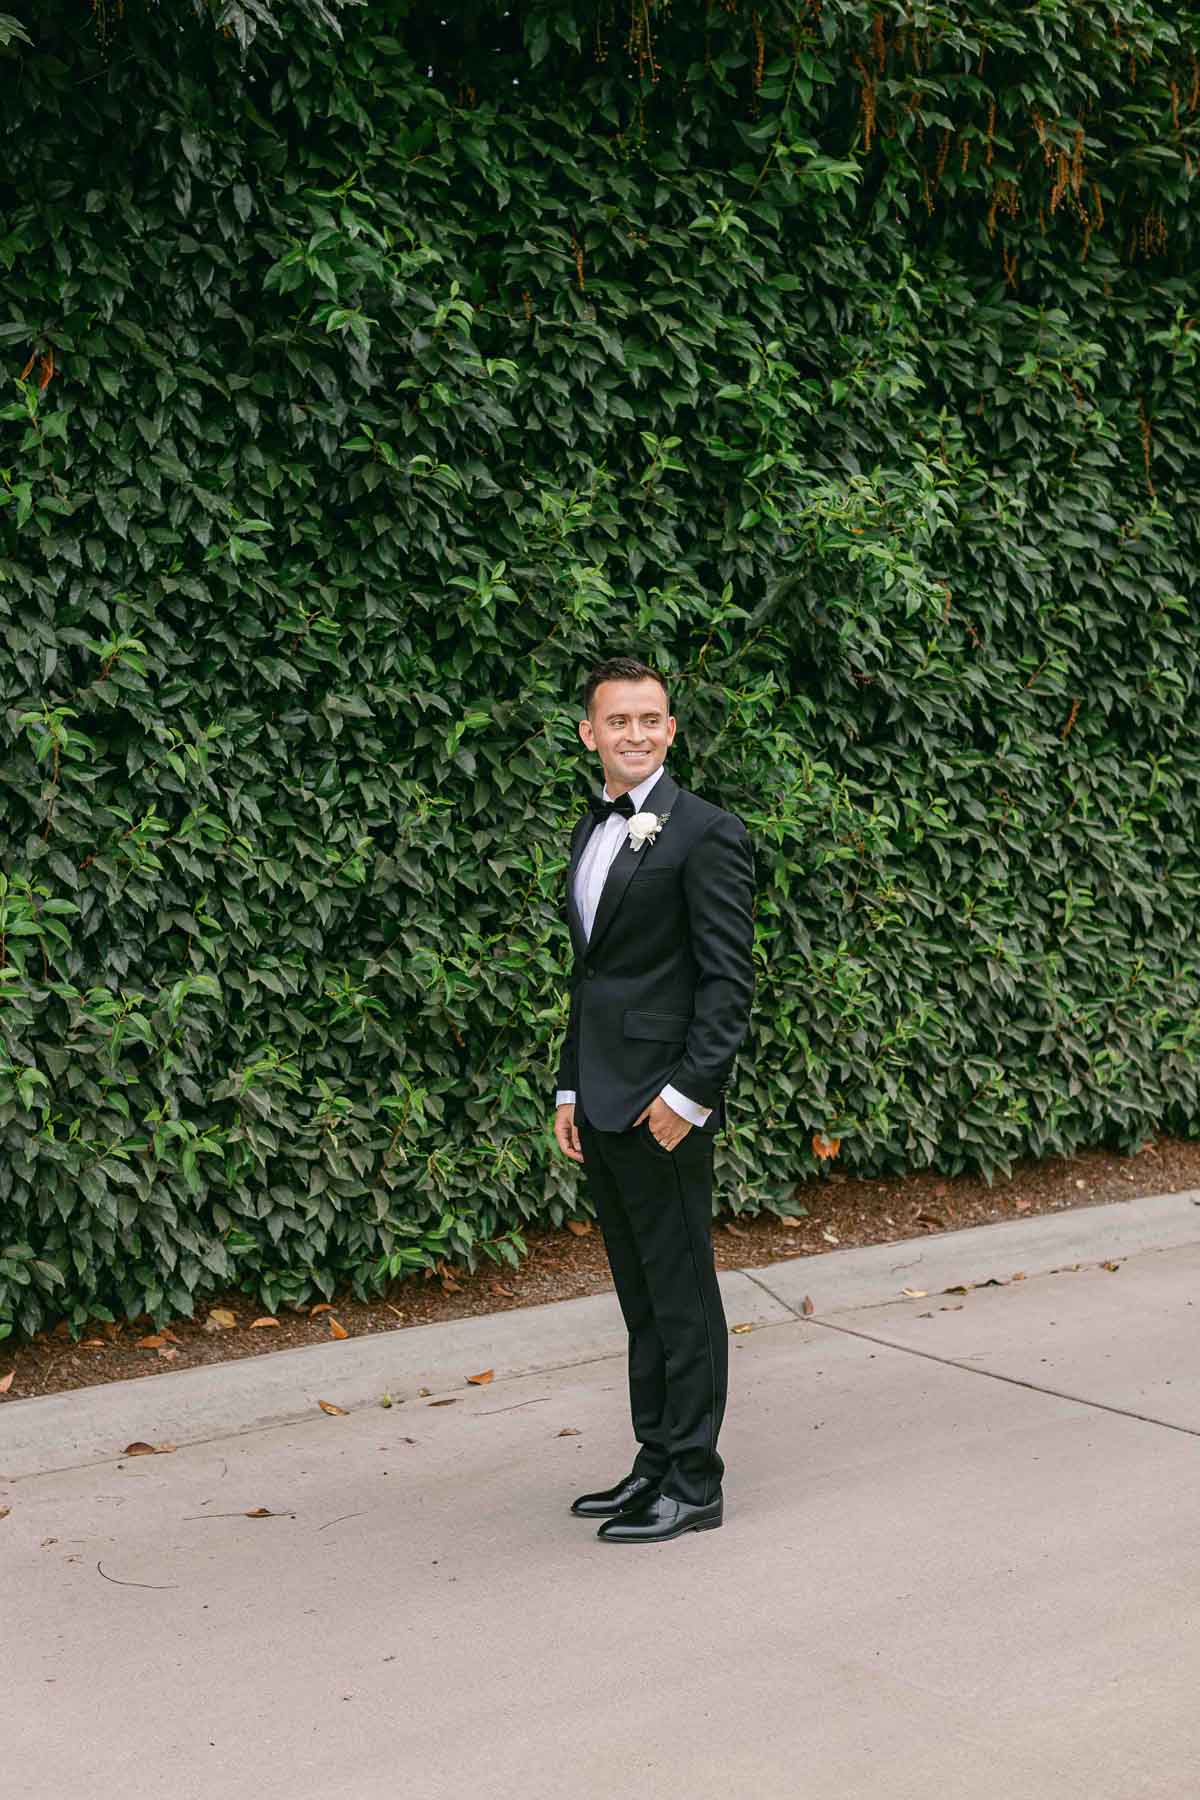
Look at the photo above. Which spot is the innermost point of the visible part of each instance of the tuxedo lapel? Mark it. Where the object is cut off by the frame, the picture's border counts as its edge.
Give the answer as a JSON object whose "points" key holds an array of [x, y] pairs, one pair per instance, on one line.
{"points": [[583, 832], [625, 863]]}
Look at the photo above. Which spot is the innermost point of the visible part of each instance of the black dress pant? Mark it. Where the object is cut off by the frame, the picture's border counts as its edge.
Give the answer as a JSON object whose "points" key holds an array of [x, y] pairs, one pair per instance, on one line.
{"points": [[655, 1211]]}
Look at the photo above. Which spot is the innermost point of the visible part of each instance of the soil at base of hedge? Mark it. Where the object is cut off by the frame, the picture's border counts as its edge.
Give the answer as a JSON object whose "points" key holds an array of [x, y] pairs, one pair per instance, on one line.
{"points": [[842, 1212]]}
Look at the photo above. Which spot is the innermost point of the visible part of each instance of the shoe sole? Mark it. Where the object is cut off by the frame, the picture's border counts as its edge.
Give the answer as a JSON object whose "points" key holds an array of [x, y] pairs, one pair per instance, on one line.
{"points": [[703, 1525]]}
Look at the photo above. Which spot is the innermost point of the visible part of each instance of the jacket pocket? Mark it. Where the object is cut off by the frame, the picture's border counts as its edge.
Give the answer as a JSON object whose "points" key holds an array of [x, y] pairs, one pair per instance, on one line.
{"points": [[663, 1028]]}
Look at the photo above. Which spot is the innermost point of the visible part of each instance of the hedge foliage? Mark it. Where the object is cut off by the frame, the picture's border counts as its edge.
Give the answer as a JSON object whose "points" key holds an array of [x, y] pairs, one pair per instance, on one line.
{"points": [[367, 375]]}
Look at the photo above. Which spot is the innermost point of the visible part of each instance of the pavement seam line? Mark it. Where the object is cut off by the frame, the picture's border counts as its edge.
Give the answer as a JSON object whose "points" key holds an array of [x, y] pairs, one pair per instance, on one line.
{"points": [[1096, 1262], [304, 1415], [301, 1415], [950, 1362]]}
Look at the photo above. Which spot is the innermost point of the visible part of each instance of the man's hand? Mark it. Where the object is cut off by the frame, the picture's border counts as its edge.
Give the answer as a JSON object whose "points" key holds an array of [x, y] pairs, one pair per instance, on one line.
{"points": [[567, 1133], [666, 1126]]}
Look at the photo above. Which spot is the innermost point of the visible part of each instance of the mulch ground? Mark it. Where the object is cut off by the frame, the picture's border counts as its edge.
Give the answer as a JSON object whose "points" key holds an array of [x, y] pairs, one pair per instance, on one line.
{"points": [[842, 1212]]}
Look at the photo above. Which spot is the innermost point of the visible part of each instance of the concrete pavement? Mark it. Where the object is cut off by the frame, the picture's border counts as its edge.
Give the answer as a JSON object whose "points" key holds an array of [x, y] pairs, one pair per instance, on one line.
{"points": [[959, 1557]]}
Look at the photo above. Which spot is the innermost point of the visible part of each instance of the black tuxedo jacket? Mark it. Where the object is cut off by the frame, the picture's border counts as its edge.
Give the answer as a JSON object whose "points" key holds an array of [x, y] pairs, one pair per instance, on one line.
{"points": [[661, 991]]}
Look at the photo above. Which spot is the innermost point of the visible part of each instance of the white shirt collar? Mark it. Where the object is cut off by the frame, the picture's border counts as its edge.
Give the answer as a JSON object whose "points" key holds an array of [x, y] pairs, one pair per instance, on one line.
{"points": [[640, 792]]}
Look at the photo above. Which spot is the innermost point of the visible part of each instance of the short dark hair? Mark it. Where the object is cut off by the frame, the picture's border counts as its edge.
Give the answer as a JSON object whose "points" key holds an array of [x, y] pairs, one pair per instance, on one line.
{"points": [[622, 668]]}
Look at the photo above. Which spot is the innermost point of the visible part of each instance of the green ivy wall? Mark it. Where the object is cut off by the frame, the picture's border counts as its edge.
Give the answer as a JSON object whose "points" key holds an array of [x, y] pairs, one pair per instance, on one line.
{"points": [[364, 379]]}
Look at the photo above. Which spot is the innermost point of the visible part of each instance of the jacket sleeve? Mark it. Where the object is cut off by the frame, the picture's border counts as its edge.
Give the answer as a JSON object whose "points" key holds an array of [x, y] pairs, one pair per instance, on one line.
{"points": [[568, 1056], [718, 885]]}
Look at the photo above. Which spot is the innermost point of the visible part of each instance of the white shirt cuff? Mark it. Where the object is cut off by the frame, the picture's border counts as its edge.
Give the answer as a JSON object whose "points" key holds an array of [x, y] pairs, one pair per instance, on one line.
{"points": [[687, 1109]]}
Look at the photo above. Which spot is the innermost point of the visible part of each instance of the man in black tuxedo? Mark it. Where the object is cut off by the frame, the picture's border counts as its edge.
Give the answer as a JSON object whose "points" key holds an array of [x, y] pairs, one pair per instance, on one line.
{"points": [[660, 893]]}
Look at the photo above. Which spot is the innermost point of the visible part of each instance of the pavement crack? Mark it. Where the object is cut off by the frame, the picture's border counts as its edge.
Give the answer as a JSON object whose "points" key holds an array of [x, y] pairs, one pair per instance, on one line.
{"points": [[952, 1362], [116, 1580]]}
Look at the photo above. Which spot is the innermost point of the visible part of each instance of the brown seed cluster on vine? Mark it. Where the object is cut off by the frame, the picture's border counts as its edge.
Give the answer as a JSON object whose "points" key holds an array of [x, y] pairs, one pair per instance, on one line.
{"points": [[640, 41]]}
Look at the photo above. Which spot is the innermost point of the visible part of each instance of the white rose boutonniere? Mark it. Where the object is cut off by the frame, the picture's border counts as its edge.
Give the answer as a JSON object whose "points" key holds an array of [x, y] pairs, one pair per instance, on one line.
{"points": [[645, 827]]}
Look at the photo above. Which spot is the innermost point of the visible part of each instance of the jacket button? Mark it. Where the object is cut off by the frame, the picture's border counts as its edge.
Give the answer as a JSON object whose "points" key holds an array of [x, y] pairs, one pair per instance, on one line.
{"points": [[590, 970]]}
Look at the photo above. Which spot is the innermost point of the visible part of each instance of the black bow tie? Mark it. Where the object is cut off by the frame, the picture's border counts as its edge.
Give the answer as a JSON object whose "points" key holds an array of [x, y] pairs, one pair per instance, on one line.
{"points": [[604, 809]]}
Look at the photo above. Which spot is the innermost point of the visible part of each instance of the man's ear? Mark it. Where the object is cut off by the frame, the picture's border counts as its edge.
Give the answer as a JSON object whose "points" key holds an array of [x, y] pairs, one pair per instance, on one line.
{"points": [[587, 735]]}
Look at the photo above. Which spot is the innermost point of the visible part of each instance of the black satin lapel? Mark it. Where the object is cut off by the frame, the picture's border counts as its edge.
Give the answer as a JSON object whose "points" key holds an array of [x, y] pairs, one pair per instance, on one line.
{"points": [[587, 826]]}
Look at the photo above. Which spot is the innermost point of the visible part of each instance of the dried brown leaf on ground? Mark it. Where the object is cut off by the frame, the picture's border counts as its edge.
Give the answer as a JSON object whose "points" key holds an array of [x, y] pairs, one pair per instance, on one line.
{"points": [[914, 1293], [320, 1307], [451, 1402], [740, 1328], [479, 1380], [327, 1406], [155, 1342], [336, 1328], [4, 1511], [138, 1448], [570, 1431], [1112, 1267], [498, 1287], [261, 1324], [6, 1381], [806, 1305], [958, 1288], [220, 1318], [264, 1512], [580, 1227]]}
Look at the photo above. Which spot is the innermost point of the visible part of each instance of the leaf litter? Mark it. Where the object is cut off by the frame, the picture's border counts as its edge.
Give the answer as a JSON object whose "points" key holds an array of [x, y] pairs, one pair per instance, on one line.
{"points": [[563, 1265]]}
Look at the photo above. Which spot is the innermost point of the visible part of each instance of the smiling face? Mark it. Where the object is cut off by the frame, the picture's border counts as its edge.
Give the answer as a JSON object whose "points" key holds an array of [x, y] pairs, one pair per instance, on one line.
{"points": [[630, 730]]}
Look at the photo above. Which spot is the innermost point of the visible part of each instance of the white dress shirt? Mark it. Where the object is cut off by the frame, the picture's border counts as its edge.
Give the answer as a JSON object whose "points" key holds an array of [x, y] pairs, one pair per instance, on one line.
{"points": [[590, 876]]}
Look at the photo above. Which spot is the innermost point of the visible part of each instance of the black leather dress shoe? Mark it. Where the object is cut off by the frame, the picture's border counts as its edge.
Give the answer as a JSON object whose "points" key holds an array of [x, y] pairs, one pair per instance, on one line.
{"points": [[630, 1492], [661, 1516]]}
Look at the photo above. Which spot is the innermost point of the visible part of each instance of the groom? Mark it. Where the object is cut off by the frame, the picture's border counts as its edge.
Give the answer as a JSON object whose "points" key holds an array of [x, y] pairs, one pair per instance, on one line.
{"points": [[659, 901]]}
